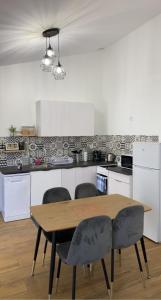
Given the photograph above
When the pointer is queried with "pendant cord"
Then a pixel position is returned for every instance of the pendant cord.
(58, 49)
(46, 45)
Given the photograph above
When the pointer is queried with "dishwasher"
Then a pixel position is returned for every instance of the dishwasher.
(15, 197)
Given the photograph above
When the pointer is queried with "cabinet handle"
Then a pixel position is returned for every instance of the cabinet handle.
(16, 181)
(118, 180)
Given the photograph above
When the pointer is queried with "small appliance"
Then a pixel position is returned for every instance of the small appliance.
(97, 155)
(110, 157)
(126, 161)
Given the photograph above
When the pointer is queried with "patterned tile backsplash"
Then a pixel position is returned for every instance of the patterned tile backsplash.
(47, 147)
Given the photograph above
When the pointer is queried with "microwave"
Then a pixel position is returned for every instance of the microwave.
(126, 161)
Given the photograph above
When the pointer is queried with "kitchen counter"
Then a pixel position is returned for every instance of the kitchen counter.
(46, 167)
(120, 170)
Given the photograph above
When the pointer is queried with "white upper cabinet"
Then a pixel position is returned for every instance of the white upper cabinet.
(55, 118)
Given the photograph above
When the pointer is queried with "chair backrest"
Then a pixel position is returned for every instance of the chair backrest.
(91, 241)
(84, 190)
(55, 195)
(127, 227)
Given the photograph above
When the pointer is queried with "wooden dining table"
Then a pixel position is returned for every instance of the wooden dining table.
(63, 215)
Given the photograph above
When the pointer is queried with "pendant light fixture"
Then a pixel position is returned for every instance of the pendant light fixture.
(47, 63)
(50, 50)
(58, 71)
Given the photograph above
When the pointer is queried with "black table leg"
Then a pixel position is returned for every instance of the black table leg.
(52, 264)
(36, 249)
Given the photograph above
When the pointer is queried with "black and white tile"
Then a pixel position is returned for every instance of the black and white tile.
(48, 147)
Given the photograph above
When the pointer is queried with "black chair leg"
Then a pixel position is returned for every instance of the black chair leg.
(45, 248)
(112, 269)
(74, 282)
(145, 257)
(58, 273)
(36, 250)
(106, 276)
(119, 250)
(139, 263)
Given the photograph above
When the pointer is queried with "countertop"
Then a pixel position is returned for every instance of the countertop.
(45, 167)
(120, 170)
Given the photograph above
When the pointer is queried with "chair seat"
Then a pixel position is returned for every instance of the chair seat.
(62, 250)
(61, 236)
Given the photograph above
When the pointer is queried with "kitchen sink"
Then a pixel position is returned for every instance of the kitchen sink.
(39, 167)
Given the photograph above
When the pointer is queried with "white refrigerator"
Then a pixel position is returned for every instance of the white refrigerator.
(147, 183)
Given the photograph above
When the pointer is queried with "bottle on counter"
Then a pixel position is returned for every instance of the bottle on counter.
(85, 155)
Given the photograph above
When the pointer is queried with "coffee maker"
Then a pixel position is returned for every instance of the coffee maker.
(97, 155)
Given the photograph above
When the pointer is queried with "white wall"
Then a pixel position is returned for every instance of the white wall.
(132, 82)
(123, 81)
(22, 84)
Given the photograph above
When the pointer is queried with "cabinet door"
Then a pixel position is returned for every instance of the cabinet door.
(57, 118)
(77, 119)
(68, 180)
(42, 181)
(116, 186)
(87, 174)
(48, 118)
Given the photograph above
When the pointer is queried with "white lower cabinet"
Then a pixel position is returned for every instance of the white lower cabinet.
(20, 191)
(68, 180)
(16, 197)
(119, 184)
(72, 177)
(87, 174)
(42, 181)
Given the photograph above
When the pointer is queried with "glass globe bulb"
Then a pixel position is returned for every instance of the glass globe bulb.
(50, 51)
(59, 72)
(47, 61)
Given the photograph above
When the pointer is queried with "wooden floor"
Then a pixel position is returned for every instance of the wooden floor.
(17, 240)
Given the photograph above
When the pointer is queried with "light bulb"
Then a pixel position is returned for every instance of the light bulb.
(50, 51)
(59, 72)
(47, 61)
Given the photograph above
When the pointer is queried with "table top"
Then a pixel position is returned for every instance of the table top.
(68, 214)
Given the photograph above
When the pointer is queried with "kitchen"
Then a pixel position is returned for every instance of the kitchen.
(112, 87)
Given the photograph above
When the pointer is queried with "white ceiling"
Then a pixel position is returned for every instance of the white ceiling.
(86, 25)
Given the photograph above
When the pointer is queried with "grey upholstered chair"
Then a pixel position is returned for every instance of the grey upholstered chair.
(56, 194)
(127, 230)
(91, 241)
(84, 190)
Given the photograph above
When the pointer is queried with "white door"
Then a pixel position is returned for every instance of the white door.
(42, 181)
(68, 180)
(147, 155)
(16, 197)
(116, 186)
(87, 174)
(146, 184)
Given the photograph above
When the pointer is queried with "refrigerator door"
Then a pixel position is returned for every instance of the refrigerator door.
(146, 188)
(147, 155)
